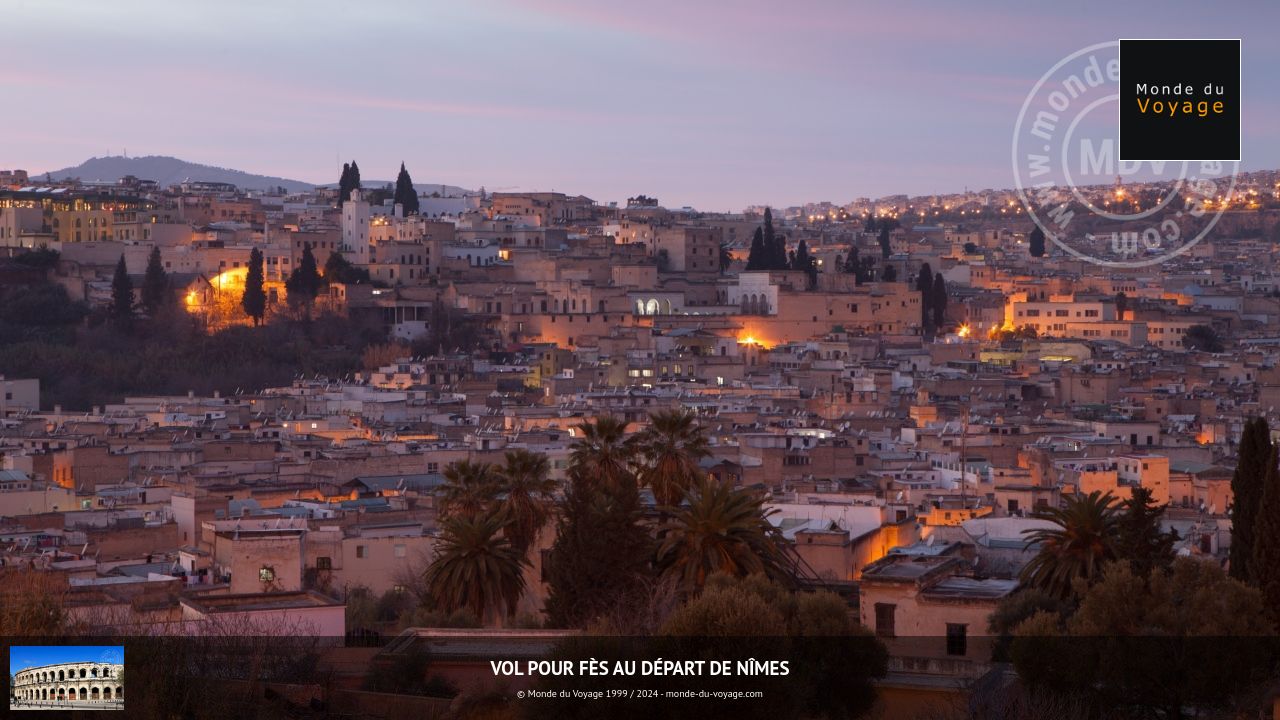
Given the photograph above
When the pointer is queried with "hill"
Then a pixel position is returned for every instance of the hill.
(168, 171)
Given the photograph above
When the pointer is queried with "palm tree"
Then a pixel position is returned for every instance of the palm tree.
(469, 488)
(720, 529)
(476, 566)
(1083, 541)
(602, 454)
(671, 447)
(526, 495)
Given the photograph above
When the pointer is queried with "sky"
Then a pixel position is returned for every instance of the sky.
(708, 103)
(22, 657)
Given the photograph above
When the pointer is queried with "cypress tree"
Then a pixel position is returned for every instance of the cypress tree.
(939, 300)
(155, 284)
(601, 555)
(304, 282)
(885, 249)
(1036, 242)
(924, 285)
(1265, 564)
(254, 300)
(405, 195)
(121, 307)
(344, 183)
(756, 259)
(889, 274)
(1246, 487)
(355, 176)
(1141, 541)
(775, 248)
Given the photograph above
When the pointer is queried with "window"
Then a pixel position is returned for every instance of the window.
(267, 574)
(884, 619)
(399, 551)
(324, 563)
(360, 551)
(957, 639)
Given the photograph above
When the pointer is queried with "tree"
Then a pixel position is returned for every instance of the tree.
(254, 300)
(775, 246)
(304, 282)
(349, 181)
(469, 488)
(476, 567)
(602, 555)
(1035, 242)
(121, 307)
(1203, 338)
(1140, 540)
(1122, 302)
(889, 274)
(1189, 637)
(526, 495)
(1266, 541)
(970, 249)
(337, 269)
(406, 196)
(671, 448)
(756, 258)
(885, 248)
(726, 258)
(1083, 541)
(832, 662)
(924, 285)
(938, 299)
(155, 284)
(602, 454)
(1246, 489)
(721, 529)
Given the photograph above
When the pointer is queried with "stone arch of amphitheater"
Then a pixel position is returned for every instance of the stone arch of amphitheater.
(86, 682)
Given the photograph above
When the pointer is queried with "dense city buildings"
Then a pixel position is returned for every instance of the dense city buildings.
(905, 386)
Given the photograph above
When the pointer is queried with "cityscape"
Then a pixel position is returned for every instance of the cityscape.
(364, 446)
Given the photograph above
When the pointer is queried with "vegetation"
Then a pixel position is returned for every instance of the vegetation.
(469, 489)
(406, 196)
(1265, 566)
(1203, 338)
(349, 181)
(156, 292)
(304, 283)
(671, 448)
(526, 496)
(602, 456)
(768, 250)
(1246, 487)
(338, 269)
(602, 554)
(1187, 639)
(938, 300)
(1083, 541)
(121, 307)
(1035, 242)
(476, 567)
(721, 529)
(254, 300)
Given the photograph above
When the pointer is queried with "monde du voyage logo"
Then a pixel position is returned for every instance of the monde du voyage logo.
(1124, 151)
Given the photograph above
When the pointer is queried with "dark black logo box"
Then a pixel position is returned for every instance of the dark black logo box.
(1187, 69)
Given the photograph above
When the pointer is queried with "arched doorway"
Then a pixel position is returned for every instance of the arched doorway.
(96, 693)
(119, 692)
(84, 694)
